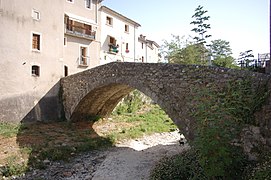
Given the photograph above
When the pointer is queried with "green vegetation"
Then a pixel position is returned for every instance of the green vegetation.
(35, 144)
(196, 50)
(130, 104)
(8, 130)
(13, 167)
(184, 166)
(141, 116)
(154, 120)
(220, 116)
(222, 54)
(42, 142)
(200, 20)
(261, 169)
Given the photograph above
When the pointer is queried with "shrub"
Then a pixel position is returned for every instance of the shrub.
(181, 166)
(131, 103)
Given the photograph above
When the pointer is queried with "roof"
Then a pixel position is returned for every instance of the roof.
(143, 39)
(153, 42)
(114, 13)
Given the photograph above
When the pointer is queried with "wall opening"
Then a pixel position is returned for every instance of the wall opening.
(66, 71)
(35, 71)
(120, 111)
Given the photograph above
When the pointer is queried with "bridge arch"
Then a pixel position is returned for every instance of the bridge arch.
(97, 91)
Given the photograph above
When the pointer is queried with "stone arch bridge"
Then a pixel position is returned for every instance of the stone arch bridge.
(95, 92)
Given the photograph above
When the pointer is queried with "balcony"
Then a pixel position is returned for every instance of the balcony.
(113, 49)
(83, 61)
(80, 31)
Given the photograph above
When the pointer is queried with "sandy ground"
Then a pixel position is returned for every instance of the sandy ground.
(129, 160)
(134, 159)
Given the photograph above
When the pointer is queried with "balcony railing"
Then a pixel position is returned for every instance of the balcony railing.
(79, 31)
(83, 61)
(113, 49)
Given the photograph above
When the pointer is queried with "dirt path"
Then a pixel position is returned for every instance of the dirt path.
(129, 160)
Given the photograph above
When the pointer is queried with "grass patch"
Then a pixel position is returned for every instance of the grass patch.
(37, 143)
(14, 166)
(180, 166)
(144, 123)
(42, 142)
(8, 129)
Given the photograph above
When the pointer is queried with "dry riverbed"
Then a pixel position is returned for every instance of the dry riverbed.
(131, 159)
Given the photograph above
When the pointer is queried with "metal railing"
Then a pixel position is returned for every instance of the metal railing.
(83, 61)
(80, 31)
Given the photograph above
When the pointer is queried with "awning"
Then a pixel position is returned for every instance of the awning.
(81, 19)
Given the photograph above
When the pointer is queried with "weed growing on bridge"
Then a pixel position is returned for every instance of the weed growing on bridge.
(220, 116)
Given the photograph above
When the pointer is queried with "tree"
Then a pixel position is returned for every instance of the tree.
(201, 30)
(191, 54)
(170, 49)
(221, 52)
(246, 58)
(202, 26)
(182, 50)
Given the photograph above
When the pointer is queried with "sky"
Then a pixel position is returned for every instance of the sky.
(244, 23)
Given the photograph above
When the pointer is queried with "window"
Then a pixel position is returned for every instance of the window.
(126, 28)
(66, 71)
(35, 71)
(142, 44)
(36, 41)
(84, 58)
(112, 41)
(127, 48)
(88, 4)
(142, 58)
(109, 21)
(88, 29)
(65, 41)
(35, 14)
(113, 46)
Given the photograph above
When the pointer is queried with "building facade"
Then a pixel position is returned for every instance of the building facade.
(118, 37)
(40, 42)
(81, 35)
(147, 50)
(43, 41)
(120, 40)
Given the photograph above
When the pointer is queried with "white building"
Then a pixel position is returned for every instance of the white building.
(147, 50)
(120, 40)
(118, 37)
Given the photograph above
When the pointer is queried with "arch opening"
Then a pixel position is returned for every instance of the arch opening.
(100, 103)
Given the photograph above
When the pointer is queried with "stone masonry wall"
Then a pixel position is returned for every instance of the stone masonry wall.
(96, 92)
